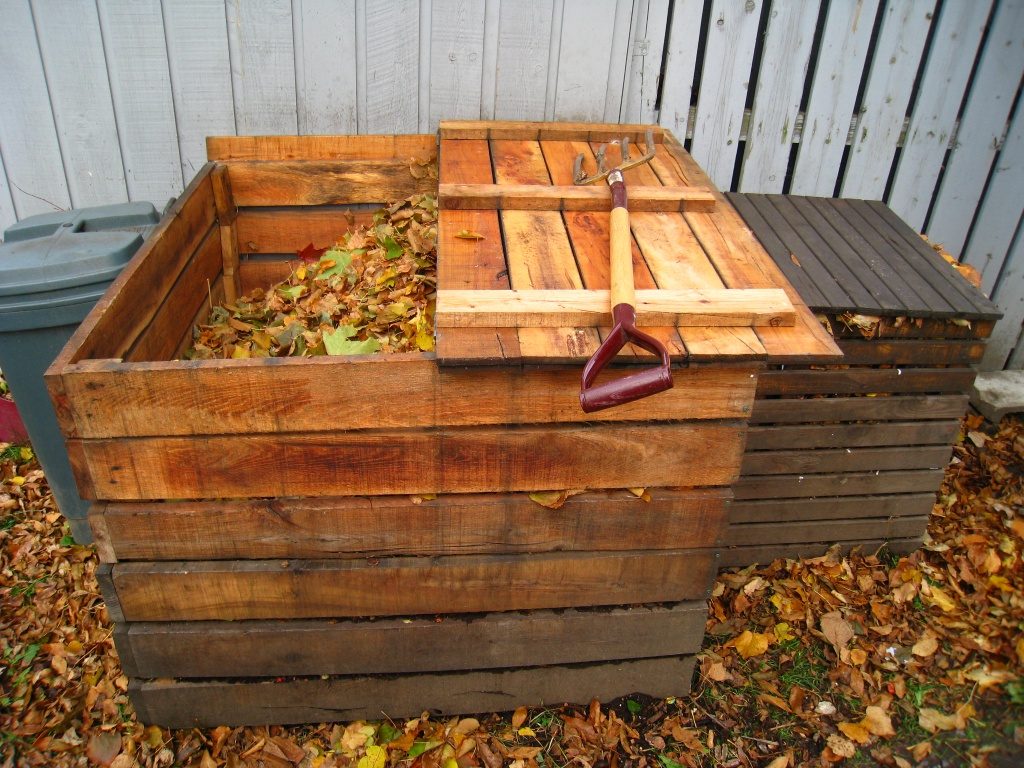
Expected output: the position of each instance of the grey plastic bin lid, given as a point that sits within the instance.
(53, 267)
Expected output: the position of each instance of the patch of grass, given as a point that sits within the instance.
(16, 453)
(919, 691)
(27, 589)
(805, 670)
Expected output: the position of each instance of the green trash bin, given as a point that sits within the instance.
(53, 268)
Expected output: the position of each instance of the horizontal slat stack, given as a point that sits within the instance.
(854, 453)
(330, 538)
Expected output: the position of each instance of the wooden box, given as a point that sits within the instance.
(269, 555)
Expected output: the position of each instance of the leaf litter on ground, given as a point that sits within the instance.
(863, 659)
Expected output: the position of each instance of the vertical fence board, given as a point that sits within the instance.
(521, 76)
(197, 50)
(35, 170)
(837, 75)
(262, 49)
(732, 36)
(618, 57)
(1001, 209)
(981, 128)
(1009, 295)
(780, 84)
(647, 47)
(392, 66)
(7, 213)
(76, 70)
(456, 60)
(488, 78)
(325, 65)
(140, 84)
(587, 28)
(884, 106)
(680, 65)
(957, 37)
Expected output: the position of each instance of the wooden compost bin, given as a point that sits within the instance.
(265, 560)
(854, 453)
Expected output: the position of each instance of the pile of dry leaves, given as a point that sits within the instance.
(858, 660)
(372, 291)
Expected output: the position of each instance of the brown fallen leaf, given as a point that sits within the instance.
(836, 630)
(518, 717)
(878, 722)
(466, 234)
(103, 748)
(855, 732)
(842, 747)
(933, 721)
(926, 646)
(921, 750)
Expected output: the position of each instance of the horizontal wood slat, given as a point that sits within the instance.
(765, 553)
(659, 307)
(830, 409)
(367, 147)
(262, 230)
(468, 460)
(387, 646)
(546, 131)
(830, 508)
(841, 484)
(535, 197)
(911, 352)
(799, 532)
(447, 525)
(323, 182)
(176, 704)
(778, 437)
(864, 380)
(297, 589)
(266, 396)
(844, 460)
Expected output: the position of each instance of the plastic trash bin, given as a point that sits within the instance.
(53, 268)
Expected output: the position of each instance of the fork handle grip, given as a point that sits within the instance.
(620, 245)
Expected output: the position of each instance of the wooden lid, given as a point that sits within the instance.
(511, 220)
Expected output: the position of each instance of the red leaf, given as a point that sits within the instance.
(311, 252)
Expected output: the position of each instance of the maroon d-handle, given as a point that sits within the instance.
(623, 300)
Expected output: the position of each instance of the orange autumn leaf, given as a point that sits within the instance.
(750, 644)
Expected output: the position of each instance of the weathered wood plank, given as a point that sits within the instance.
(830, 508)
(218, 649)
(546, 131)
(296, 589)
(456, 59)
(928, 352)
(322, 182)
(263, 230)
(325, 71)
(420, 147)
(836, 530)
(184, 705)
(469, 460)
(532, 197)
(374, 526)
(897, 408)
(851, 435)
(841, 484)
(744, 556)
(244, 396)
(104, 577)
(864, 380)
(845, 460)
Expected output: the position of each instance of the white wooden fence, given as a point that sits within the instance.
(910, 101)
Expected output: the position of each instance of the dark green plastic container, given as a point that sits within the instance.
(53, 268)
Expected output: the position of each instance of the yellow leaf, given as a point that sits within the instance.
(941, 599)
(934, 721)
(375, 757)
(300, 273)
(921, 750)
(858, 656)
(855, 732)
(465, 234)
(878, 722)
(554, 499)
(18, 480)
(750, 644)
(1000, 582)
(1020, 649)
(782, 632)
(519, 717)
(926, 646)
(526, 731)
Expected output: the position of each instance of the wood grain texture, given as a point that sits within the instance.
(289, 230)
(845, 460)
(864, 381)
(325, 65)
(243, 396)
(219, 649)
(837, 484)
(294, 589)
(184, 705)
(564, 198)
(778, 437)
(799, 410)
(382, 525)
(322, 182)
(329, 147)
(927, 352)
(546, 131)
(740, 557)
(444, 460)
(802, 532)
(829, 508)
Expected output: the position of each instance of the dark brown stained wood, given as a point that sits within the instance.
(417, 147)
(541, 131)
(809, 253)
(214, 649)
(477, 263)
(323, 182)
(172, 322)
(735, 557)
(177, 704)
(388, 525)
(779, 251)
(864, 381)
(845, 460)
(286, 231)
(444, 460)
(224, 397)
(852, 435)
(897, 408)
(830, 508)
(305, 589)
(531, 197)
(967, 300)
(105, 579)
(841, 484)
(919, 328)
(926, 352)
(749, 534)
(129, 304)
(260, 273)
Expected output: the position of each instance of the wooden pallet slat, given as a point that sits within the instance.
(844, 460)
(835, 409)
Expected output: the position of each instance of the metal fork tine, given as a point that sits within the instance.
(625, 149)
(577, 169)
(600, 158)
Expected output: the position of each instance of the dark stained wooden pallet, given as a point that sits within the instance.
(830, 508)
(805, 436)
(177, 704)
(844, 460)
(227, 649)
(765, 553)
(810, 531)
(857, 256)
(836, 484)
(862, 381)
(801, 410)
